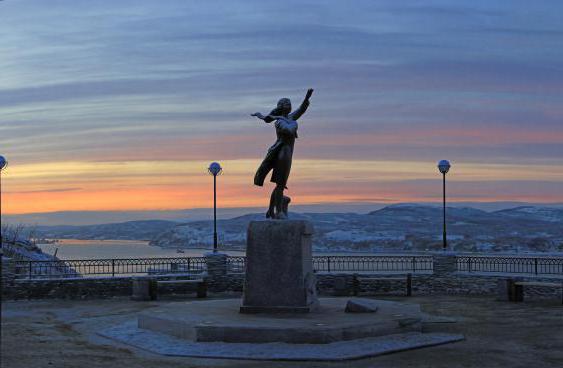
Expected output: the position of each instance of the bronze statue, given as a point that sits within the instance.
(280, 155)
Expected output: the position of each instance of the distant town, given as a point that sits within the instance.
(400, 227)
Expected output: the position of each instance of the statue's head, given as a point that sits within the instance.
(283, 108)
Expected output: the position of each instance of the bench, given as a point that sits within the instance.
(147, 289)
(199, 284)
(358, 280)
(517, 292)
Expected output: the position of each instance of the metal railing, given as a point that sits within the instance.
(511, 265)
(26, 269)
(379, 263)
(108, 267)
(236, 264)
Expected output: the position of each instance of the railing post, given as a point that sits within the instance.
(468, 264)
(217, 277)
(328, 263)
(113, 268)
(445, 264)
(189, 266)
(30, 268)
(536, 265)
(413, 264)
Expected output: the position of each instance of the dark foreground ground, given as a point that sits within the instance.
(498, 334)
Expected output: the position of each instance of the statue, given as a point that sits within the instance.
(279, 156)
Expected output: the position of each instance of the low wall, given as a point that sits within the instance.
(445, 280)
(80, 287)
(231, 282)
(75, 288)
(478, 284)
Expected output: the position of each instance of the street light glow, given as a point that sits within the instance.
(444, 166)
(3, 163)
(215, 169)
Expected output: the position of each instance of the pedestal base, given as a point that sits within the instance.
(218, 321)
(279, 268)
(275, 310)
(215, 329)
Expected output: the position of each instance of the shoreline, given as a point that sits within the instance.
(94, 242)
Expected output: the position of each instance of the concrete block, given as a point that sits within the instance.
(360, 306)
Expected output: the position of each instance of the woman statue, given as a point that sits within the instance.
(279, 156)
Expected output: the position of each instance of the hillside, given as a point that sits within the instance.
(399, 227)
(131, 230)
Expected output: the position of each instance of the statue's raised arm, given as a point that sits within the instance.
(303, 107)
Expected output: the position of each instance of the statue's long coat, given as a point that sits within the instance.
(280, 154)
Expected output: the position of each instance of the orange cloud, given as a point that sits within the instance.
(152, 185)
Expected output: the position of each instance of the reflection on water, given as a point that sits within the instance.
(102, 249)
(99, 249)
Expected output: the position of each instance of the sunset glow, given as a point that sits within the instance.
(122, 105)
(146, 185)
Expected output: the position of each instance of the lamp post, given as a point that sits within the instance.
(444, 167)
(215, 169)
(3, 164)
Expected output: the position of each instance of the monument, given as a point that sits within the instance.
(279, 270)
(280, 154)
(280, 317)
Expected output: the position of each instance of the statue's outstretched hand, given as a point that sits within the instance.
(309, 93)
(258, 115)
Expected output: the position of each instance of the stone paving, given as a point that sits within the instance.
(163, 344)
(63, 333)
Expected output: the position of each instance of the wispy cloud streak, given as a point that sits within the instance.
(155, 84)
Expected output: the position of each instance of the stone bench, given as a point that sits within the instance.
(359, 280)
(513, 290)
(148, 289)
(518, 291)
(199, 285)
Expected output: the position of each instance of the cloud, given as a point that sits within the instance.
(45, 191)
(142, 185)
(142, 81)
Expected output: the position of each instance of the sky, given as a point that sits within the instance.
(122, 105)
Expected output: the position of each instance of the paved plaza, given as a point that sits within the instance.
(63, 333)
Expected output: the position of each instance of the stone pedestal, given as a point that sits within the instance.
(217, 271)
(216, 264)
(445, 263)
(279, 268)
(143, 289)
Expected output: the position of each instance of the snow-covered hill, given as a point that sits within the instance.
(399, 227)
(24, 250)
(550, 214)
(131, 230)
(393, 228)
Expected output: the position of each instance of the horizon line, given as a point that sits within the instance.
(534, 203)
